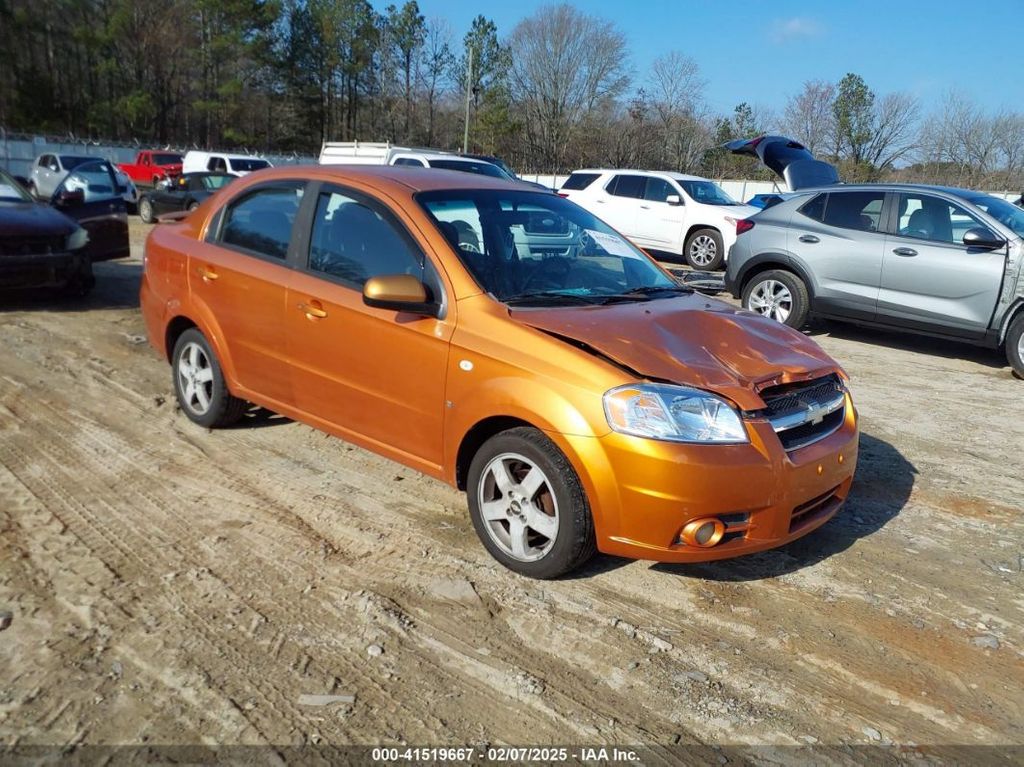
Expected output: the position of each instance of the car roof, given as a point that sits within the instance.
(409, 177)
(952, 191)
(636, 172)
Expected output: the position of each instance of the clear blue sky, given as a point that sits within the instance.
(762, 52)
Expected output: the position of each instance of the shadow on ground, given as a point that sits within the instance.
(117, 287)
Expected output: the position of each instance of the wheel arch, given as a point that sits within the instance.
(476, 436)
(1015, 310)
(764, 262)
(173, 331)
(696, 228)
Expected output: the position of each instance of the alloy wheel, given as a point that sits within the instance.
(195, 378)
(518, 507)
(772, 299)
(703, 250)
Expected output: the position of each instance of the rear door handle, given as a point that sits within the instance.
(905, 252)
(808, 238)
(207, 273)
(313, 310)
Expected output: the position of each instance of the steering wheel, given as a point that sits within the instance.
(469, 247)
(553, 271)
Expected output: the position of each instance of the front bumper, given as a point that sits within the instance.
(51, 270)
(645, 491)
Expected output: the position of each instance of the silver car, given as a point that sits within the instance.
(926, 259)
(49, 170)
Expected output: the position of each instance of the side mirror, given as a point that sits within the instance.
(400, 292)
(68, 198)
(674, 199)
(980, 237)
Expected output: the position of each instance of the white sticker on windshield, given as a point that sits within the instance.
(613, 244)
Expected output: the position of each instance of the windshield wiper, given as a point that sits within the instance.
(552, 296)
(650, 290)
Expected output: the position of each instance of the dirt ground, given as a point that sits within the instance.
(171, 585)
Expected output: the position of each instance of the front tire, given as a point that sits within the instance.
(780, 295)
(1015, 345)
(528, 506)
(199, 383)
(146, 210)
(705, 250)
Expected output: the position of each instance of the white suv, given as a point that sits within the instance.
(685, 215)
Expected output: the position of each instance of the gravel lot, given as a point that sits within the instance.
(176, 586)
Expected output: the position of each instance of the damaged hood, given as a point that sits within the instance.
(690, 340)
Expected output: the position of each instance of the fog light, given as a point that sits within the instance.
(703, 533)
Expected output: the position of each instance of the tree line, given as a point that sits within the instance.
(558, 91)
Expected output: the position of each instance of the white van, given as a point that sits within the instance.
(219, 162)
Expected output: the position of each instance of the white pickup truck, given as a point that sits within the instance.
(383, 153)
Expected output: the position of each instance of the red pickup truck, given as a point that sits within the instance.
(152, 166)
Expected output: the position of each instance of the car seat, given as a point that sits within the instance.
(921, 224)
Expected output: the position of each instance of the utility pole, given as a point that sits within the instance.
(469, 95)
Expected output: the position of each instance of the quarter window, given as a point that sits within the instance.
(261, 221)
(353, 242)
(579, 181)
(854, 210)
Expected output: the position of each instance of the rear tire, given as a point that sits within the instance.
(199, 383)
(193, 206)
(1015, 345)
(705, 250)
(780, 295)
(528, 506)
(146, 210)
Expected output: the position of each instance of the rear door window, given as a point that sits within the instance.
(627, 185)
(854, 210)
(261, 221)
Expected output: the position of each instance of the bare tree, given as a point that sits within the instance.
(809, 117)
(435, 64)
(565, 65)
(894, 130)
(677, 103)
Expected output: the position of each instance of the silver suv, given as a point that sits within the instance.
(926, 259)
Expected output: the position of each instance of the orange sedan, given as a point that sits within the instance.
(510, 343)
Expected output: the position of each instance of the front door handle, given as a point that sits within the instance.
(809, 238)
(905, 252)
(207, 273)
(313, 310)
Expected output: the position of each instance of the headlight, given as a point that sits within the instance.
(673, 413)
(77, 239)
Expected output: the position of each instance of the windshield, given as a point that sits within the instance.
(481, 168)
(70, 162)
(167, 159)
(531, 248)
(707, 192)
(1005, 213)
(249, 165)
(11, 190)
(216, 181)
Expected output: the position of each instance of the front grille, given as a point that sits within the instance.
(806, 513)
(805, 412)
(31, 246)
